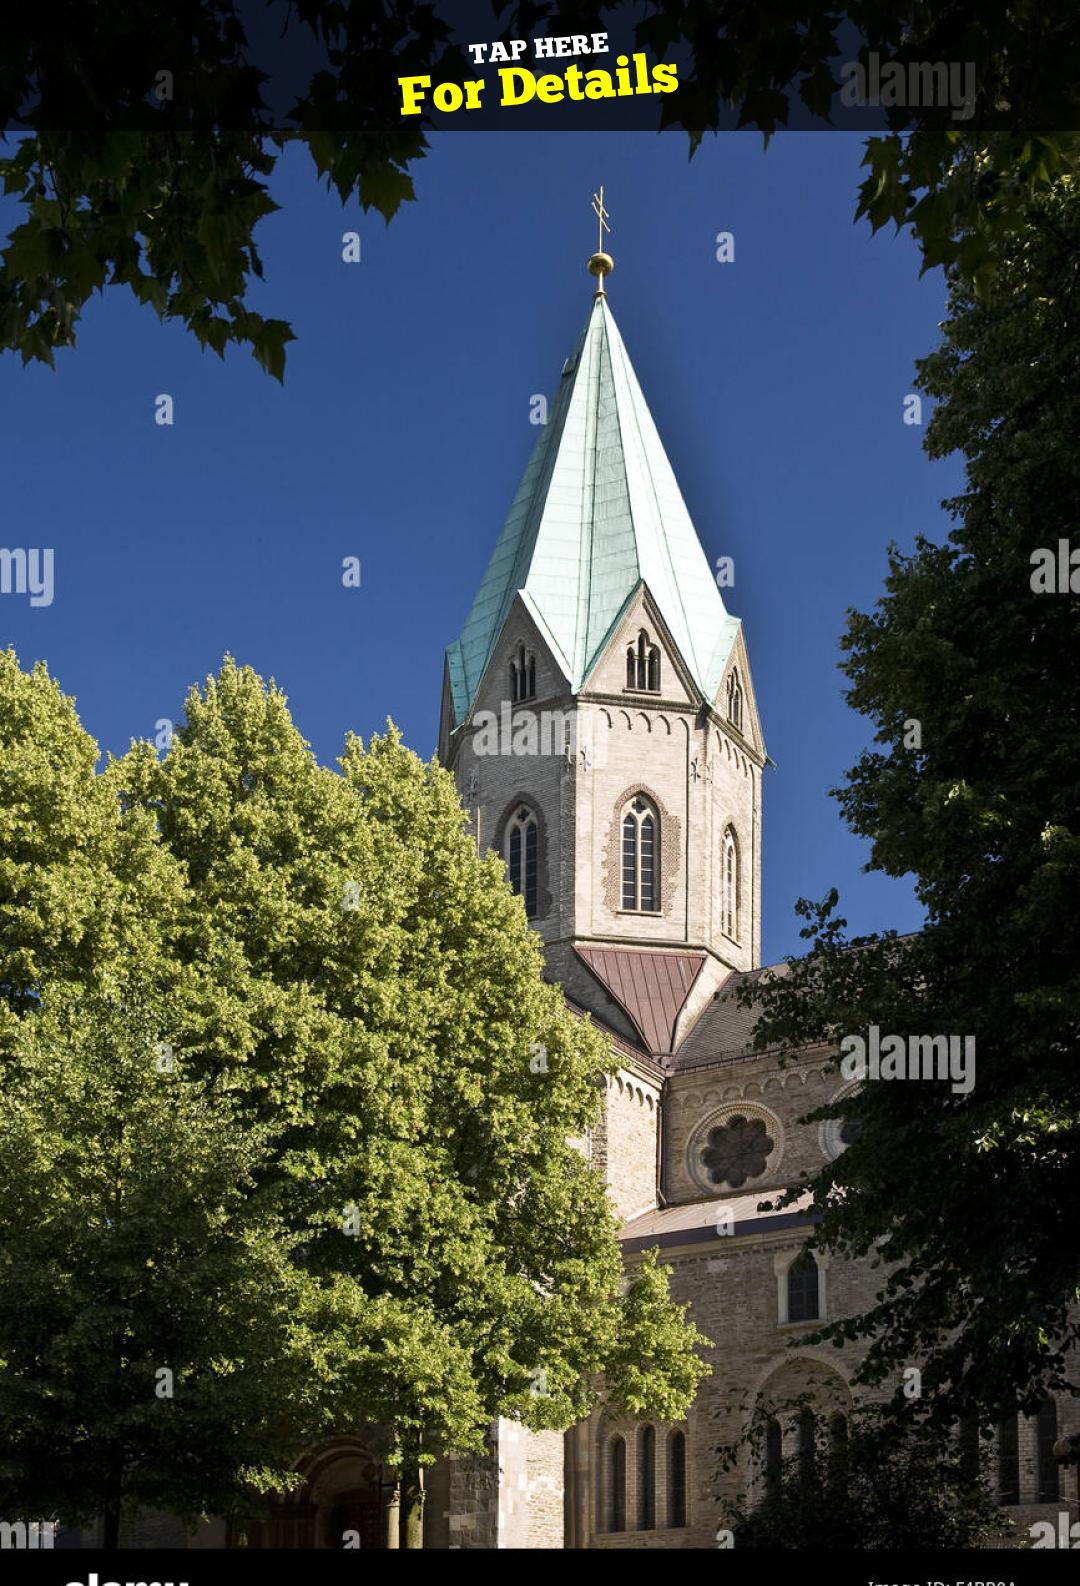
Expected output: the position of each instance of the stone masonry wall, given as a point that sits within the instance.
(629, 1142)
(780, 1096)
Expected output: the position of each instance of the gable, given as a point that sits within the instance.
(639, 633)
(520, 635)
(738, 663)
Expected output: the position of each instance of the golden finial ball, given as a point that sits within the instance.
(601, 264)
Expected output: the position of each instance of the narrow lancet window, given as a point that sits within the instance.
(522, 848)
(730, 861)
(734, 699)
(640, 833)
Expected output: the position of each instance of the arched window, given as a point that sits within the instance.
(774, 1455)
(1046, 1423)
(734, 699)
(676, 1468)
(640, 845)
(653, 670)
(802, 1289)
(643, 665)
(521, 857)
(730, 863)
(522, 675)
(647, 1479)
(1008, 1460)
(617, 1485)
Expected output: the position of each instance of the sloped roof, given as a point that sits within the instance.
(619, 1042)
(696, 1223)
(597, 512)
(651, 987)
(725, 1028)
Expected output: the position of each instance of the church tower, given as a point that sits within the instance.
(598, 714)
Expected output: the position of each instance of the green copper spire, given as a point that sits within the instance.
(597, 512)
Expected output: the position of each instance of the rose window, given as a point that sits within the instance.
(737, 1150)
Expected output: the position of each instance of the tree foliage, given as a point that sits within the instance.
(369, 1120)
(969, 678)
(149, 1355)
(163, 195)
(868, 1491)
(961, 187)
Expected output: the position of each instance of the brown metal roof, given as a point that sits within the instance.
(619, 1042)
(651, 987)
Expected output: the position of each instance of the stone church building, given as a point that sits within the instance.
(634, 836)
(599, 716)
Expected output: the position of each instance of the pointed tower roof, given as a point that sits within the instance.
(597, 513)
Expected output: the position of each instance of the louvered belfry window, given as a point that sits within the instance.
(522, 675)
(643, 665)
(734, 699)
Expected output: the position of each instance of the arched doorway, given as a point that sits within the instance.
(354, 1518)
(348, 1500)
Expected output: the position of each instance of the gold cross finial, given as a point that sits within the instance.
(601, 263)
(601, 214)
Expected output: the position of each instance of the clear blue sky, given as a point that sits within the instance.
(777, 383)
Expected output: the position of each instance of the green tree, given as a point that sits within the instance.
(75, 881)
(864, 1490)
(960, 185)
(150, 142)
(149, 1356)
(968, 675)
(158, 185)
(367, 1131)
(373, 984)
